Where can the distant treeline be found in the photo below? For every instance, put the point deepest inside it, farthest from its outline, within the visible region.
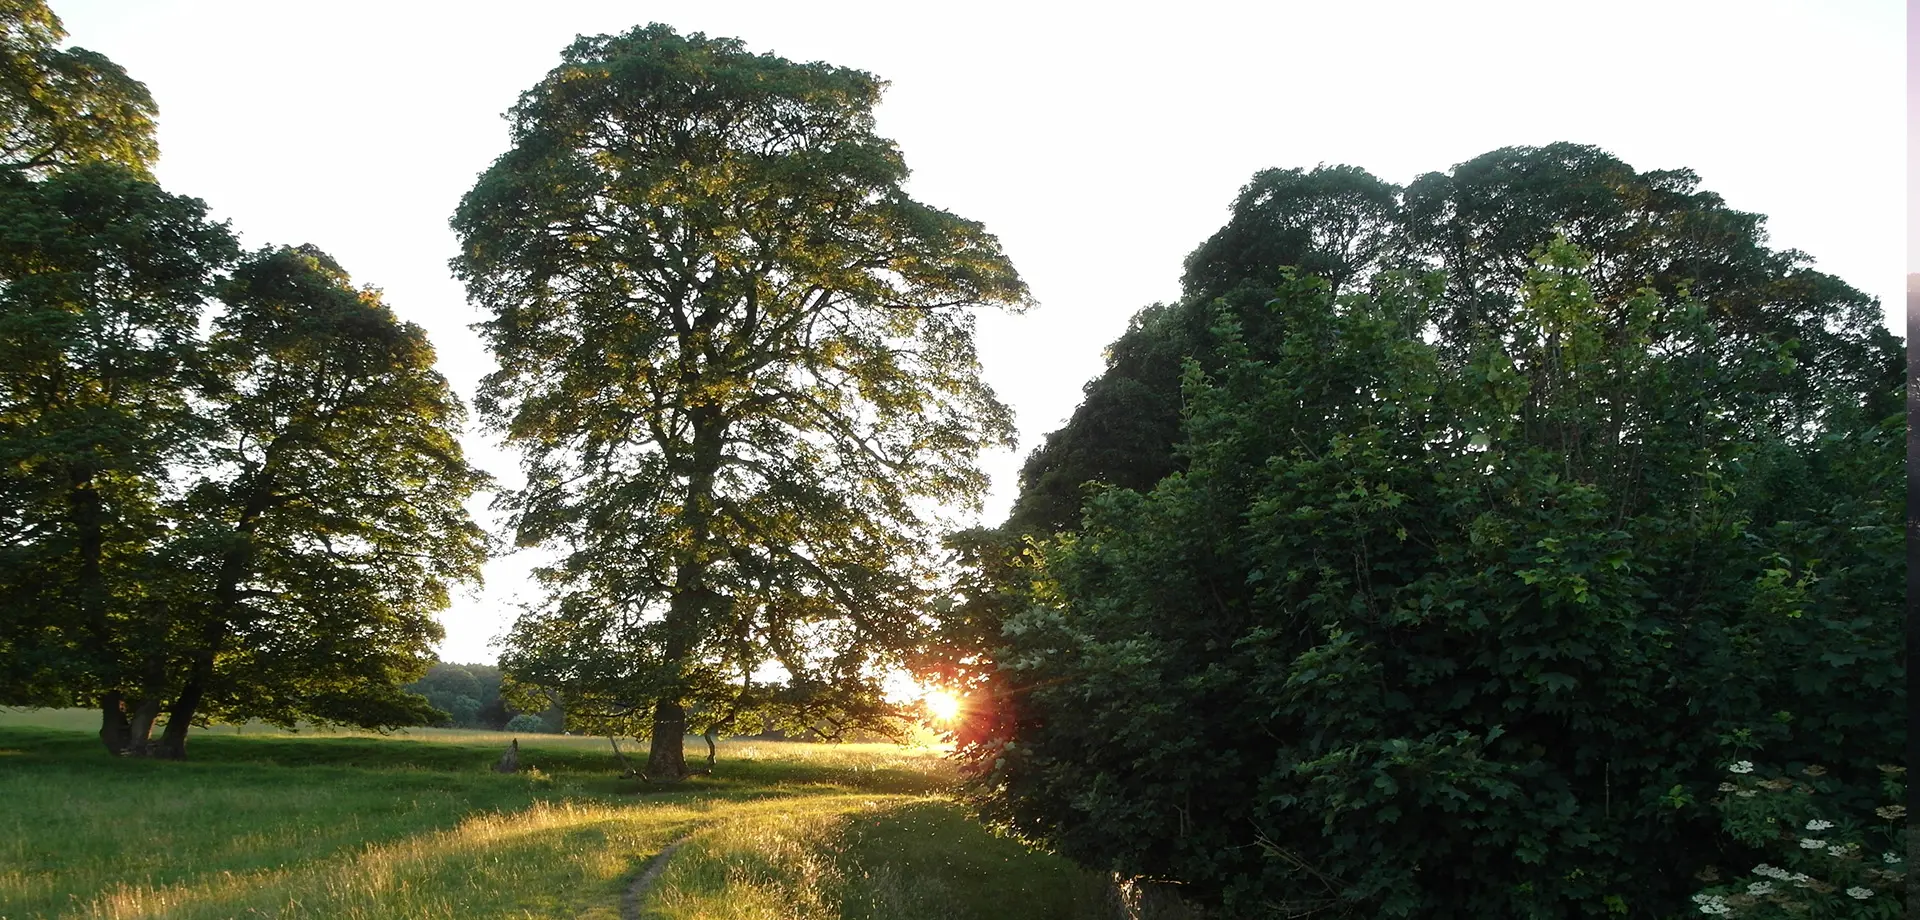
(469, 697)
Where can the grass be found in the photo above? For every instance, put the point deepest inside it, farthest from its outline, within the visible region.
(866, 858)
(263, 823)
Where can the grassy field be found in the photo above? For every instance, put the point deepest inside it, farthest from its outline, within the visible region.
(263, 823)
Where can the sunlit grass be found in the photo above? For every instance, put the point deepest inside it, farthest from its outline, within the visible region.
(356, 825)
(866, 858)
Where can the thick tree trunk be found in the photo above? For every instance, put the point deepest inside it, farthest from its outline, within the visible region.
(667, 750)
(90, 590)
(114, 730)
(140, 727)
(173, 741)
(126, 726)
(234, 566)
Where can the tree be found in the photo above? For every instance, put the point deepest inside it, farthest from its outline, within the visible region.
(105, 280)
(1443, 628)
(329, 520)
(63, 107)
(1481, 222)
(739, 361)
(255, 526)
(1362, 585)
(1335, 222)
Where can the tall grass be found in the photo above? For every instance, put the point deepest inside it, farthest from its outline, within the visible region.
(866, 858)
(355, 825)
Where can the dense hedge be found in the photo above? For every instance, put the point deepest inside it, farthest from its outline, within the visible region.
(1464, 619)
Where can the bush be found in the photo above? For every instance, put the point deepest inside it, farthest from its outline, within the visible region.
(528, 723)
(1460, 627)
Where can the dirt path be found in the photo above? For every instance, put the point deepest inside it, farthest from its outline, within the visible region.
(637, 892)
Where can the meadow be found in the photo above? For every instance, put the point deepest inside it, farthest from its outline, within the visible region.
(265, 823)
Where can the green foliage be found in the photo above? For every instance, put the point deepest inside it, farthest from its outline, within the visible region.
(1333, 222)
(468, 694)
(59, 108)
(735, 356)
(103, 281)
(330, 520)
(1481, 223)
(256, 524)
(1449, 618)
(526, 722)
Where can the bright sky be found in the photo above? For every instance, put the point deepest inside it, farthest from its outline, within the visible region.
(1100, 147)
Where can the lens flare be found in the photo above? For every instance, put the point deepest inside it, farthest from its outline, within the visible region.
(943, 706)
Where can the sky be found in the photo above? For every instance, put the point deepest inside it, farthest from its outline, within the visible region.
(1100, 145)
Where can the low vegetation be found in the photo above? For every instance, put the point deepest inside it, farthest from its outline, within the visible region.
(355, 825)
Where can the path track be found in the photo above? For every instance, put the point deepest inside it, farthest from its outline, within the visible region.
(637, 892)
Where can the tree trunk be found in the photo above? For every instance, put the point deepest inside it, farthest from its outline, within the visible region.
(140, 727)
(667, 750)
(90, 590)
(173, 741)
(710, 751)
(235, 565)
(666, 753)
(114, 730)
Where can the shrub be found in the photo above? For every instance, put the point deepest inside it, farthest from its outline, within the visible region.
(529, 724)
(1456, 627)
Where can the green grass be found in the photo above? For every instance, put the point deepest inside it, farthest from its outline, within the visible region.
(354, 825)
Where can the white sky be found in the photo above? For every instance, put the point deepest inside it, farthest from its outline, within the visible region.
(1101, 146)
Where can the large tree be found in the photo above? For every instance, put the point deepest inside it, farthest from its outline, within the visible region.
(103, 281)
(739, 361)
(1421, 637)
(256, 524)
(328, 519)
(1482, 222)
(1461, 587)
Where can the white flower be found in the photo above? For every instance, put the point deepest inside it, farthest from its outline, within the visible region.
(1728, 787)
(1836, 850)
(1889, 858)
(1712, 904)
(1808, 843)
(1744, 766)
(1769, 871)
(1860, 894)
(1818, 825)
(1800, 878)
(1758, 888)
(1745, 793)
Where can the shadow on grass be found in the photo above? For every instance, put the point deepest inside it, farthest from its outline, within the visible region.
(928, 859)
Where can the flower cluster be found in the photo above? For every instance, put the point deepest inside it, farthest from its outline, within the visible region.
(1713, 905)
(1823, 872)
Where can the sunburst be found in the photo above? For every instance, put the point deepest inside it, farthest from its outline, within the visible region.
(943, 706)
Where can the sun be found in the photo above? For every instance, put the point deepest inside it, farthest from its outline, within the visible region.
(943, 706)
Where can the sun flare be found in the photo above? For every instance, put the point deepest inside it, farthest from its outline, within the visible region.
(943, 706)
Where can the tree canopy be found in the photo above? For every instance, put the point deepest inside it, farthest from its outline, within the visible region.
(1482, 222)
(1460, 588)
(255, 523)
(739, 361)
(258, 524)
